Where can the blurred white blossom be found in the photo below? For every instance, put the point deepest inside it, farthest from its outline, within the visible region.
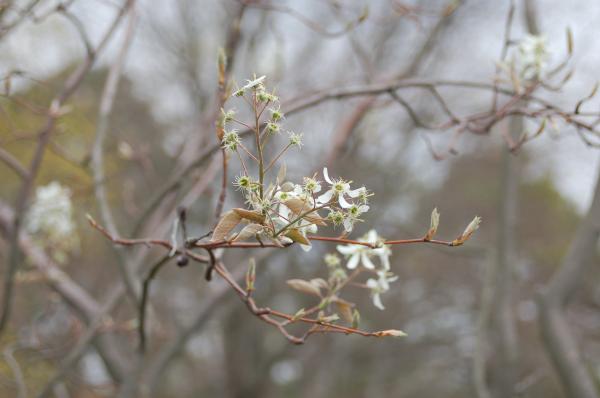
(534, 56)
(362, 254)
(338, 188)
(379, 286)
(50, 220)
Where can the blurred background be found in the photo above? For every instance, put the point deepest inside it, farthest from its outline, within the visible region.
(454, 303)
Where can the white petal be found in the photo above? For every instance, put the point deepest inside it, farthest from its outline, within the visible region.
(372, 236)
(317, 188)
(312, 228)
(355, 192)
(284, 212)
(377, 301)
(326, 175)
(385, 261)
(367, 261)
(343, 202)
(306, 248)
(348, 225)
(347, 250)
(326, 197)
(383, 284)
(363, 209)
(353, 262)
(372, 283)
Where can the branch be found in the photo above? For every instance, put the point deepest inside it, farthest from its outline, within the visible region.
(268, 316)
(14, 164)
(142, 308)
(97, 161)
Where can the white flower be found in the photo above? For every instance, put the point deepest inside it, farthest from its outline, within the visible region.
(352, 216)
(311, 185)
(363, 254)
(50, 220)
(295, 139)
(276, 113)
(534, 56)
(243, 182)
(251, 84)
(231, 140)
(332, 260)
(51, 211)
(338, 189)
(380, 286)
(273, 128)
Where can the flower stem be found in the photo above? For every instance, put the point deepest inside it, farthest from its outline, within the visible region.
(277, 157)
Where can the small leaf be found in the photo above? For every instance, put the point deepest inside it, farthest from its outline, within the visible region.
(227, 223)
(253, 216)
(472, 227)
(329, 318)
(299, 314)
(390, 332)
(249, 231)
(569, 41)
(435, 222)
(275, 241)
(320, 283)
(355, 319)
(364, 15)
(541, 128)
(251, 275)
(345, 309)
(297, 236)
(304, 287)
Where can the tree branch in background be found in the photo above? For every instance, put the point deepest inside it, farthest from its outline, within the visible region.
(557, 335)
(97, 161)
(54, 112)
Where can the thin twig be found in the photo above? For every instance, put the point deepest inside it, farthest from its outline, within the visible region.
(144, 299)
(97, 162)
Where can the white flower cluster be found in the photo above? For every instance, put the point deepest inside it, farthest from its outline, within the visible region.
(231, 139)
(363, 255)
(353, 202)
(533, 57)
(50, 220)
(295, 206)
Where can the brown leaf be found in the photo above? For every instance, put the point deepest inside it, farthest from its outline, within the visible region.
(320, 283)
(345, 309)
(299, 206)
(390, 333)
(227, 223)
(297, 236)
(249, 231)
(304, 287)
(253, 216)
